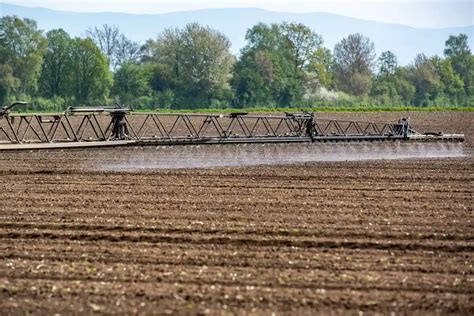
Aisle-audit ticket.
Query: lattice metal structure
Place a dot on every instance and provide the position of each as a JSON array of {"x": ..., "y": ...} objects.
[{"x": 87, "y": 127}]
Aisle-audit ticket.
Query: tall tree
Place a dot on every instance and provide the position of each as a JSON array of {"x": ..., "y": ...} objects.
[
  {"x": 106, "y": 38},
  {"x": 426, "y": 80},
  {"x": 91, "y": 75},
  {"x": 322, "y": 65},
  {"x": 388, "y": 63},
  {"x": 116, "y": 46},
  {"x": 458, "y": 51},
  {"x": 147, "y": 51},
  {"x": 56, "y": 72},
  {"x": 131, "y": 82},
  {"x": 456, "y": 46},
  {"x": 207, "y": 61},
  {"x": 168, "y": 50},
  {"x": 391, "y": 82},
  {"x": 127, "y": 51},
  {"x": 162, "y": 78},
  {"x": 22, "y": 47},
  {"x": 274, "y": 65},
  {"x": 452, "y": 84},
  {"x": 200, "y": 63},
  {"x": 8, "y": 83},
  {"x": 396, "y": 87},
  {"x": 302, "y": 42},
  {"x": 264, "y": 68},
  {"x": 354, "y": 61}
]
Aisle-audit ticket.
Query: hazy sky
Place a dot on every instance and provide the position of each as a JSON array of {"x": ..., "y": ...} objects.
[{"x": 417, "y": 13}]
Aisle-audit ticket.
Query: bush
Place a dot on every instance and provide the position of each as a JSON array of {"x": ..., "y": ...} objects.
[
  {"x": 56, "y": 104},
  {"x": 164, "y": 99}
]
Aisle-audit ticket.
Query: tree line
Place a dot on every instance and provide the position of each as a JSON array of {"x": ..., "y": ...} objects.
[{"x": 281, "y": 65}]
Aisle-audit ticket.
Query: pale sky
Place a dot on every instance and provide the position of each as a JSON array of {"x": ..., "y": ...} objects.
[{"x": 416, "y": 13}]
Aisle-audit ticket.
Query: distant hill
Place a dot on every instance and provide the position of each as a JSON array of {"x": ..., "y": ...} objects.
[{"x": 404, "y": 41}]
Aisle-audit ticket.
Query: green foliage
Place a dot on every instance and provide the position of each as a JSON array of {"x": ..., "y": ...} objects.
[
  {"x": 131, "y": 82},
  {"x": 320, "y": 69},
  {"x": 8, "y": 83},
  {"x": 165, "y": 99},
  {"x": 388, "y": 63},
  {"x": 452, "y": 84},
  {"x": 426, "y": 80},
  {"x": 162, "y": 78},
  {"x": 275, "y": 65},
  {"x": 22, "y": 47},
  {"x": 302, "y": 43},
  {"x": 282, "y": 64},
  {"x": 56, "y": 73},
  {"x": 436, "y": 82},
  {"x": 458, "y": 52},
  {"x": 393, "y": 86},
  {"x": 195, "y": 63},
  {"x": 90, "y": 72},
  {"x": 354, "y": 59},
  {"x": 55, "y": 104},
  {"x": 457, "y": 46}
]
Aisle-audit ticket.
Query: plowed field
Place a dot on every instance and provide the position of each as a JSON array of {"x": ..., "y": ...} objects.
[{"x": 341, "y": 237}]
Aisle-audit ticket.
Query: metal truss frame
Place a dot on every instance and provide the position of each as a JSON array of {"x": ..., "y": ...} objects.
[{"x": 110, "y": 126}]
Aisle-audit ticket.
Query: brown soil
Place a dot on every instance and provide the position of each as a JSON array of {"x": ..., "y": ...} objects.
[{"x": 371, "y": 236}]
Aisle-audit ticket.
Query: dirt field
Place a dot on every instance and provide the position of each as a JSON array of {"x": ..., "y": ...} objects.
[{"x": 375, "y": 236}]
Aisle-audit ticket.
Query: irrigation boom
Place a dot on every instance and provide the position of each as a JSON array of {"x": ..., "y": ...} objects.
[{"x": 116, "y": 126}]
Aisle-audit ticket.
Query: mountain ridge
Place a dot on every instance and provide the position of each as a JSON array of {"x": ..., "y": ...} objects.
[
  {"x": 404, "y": 41},
  {"x": 234, "y": 9}
]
